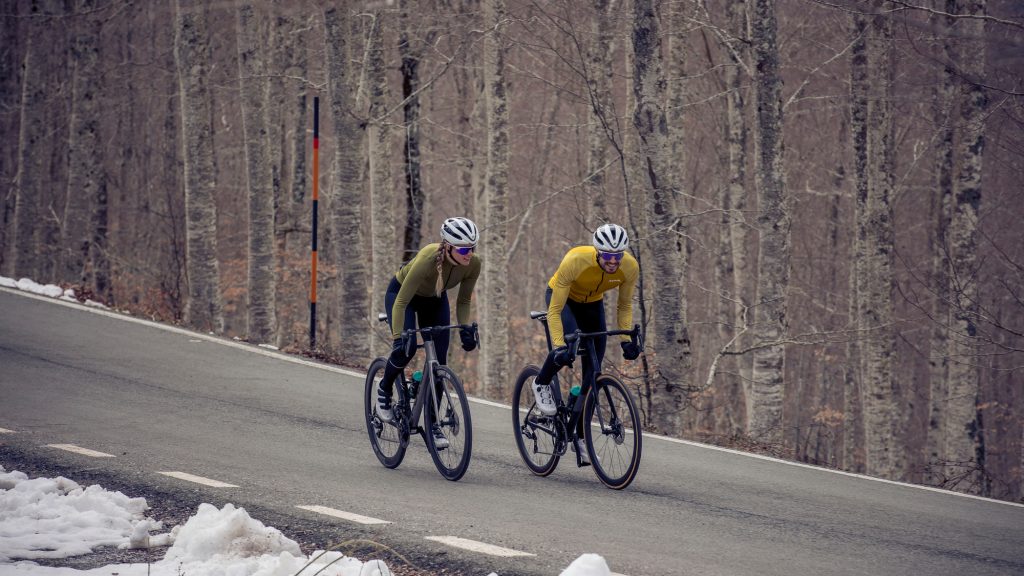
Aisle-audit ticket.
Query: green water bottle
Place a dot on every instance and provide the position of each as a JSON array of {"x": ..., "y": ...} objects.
[
  {"x": 574, "y": 393},
  {"x": 417, "y": 377}
]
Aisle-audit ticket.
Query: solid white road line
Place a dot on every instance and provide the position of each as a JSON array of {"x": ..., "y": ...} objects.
[
  {"x": 80, "y": 450},
  {"x": 474, "y": 546},
  {"x": 344, "y": 515},
  {"x": 6, "y": 431},
  {"x": 198, "y": 479}
]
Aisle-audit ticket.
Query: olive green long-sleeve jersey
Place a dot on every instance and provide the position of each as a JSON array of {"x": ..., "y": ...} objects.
[{"x": 419, "y": 278}]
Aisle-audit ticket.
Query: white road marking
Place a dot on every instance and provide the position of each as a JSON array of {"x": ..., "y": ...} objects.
[
  {"x": 6, "y": 431},
  {"x": 80, "y": 450},
  {"x": 474, "y": 546},
  {"x": 198, "y": 479},
  {"x": 361, "y": 375},
  {"x": 344, "y": 515}
]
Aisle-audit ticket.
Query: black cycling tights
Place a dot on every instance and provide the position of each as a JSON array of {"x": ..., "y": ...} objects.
[
  {"x": 587, "y": 317},
  {"x": 430, "y": 311}
]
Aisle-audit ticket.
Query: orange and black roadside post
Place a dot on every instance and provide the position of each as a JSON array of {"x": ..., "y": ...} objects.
[{"x": 316, "y": 200}]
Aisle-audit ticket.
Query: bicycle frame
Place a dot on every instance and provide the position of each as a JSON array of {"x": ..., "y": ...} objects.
[
  {"x": 430, "y": 365},
  {"x": 569, "y": 417}
]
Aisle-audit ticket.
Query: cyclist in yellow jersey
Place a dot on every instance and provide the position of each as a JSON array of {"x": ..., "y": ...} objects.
[
  {"x": 575, "y": 296},
  {"x": 419, "y": 292}
]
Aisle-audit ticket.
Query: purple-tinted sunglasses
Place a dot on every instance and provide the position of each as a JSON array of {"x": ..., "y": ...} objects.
[
  {"x": 610, "y": 256},
  {"x": 463, "y": 250}
]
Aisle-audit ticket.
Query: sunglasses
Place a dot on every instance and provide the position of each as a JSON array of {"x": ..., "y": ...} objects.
[
  {"x": 610, "y": 256},
  {"x": 463, "y": 250}
]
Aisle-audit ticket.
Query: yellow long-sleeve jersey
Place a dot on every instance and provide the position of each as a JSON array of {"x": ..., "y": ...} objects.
[{"x": 579, "y": 277}]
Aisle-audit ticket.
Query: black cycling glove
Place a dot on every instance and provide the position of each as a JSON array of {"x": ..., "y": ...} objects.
[
  {"x": 406, "y": 344},
  {"x": 562, "y": 356},
  {"x": 630, "y": 351},
  {"x": 468, "y": 339}
]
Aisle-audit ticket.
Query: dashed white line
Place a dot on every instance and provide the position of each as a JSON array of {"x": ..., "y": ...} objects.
[
  {"x": 80, "y": 450},
  {"x": 6, "y": 431},
  {"x": 344, "y": 515},
  {"x": 198, "y": 479},
  {"x": 474, "y": 546}
]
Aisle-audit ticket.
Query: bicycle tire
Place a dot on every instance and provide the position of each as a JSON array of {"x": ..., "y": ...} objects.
[
  {"x": 535, "y": 440},
  {"x": 455, "y": 421},
  {"x": 613, "y": 432},
  {"x": 385, "y": 437}
]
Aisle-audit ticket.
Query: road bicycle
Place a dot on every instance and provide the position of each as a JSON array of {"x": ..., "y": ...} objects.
[
  {"x": 603, "y": 412},
  {"x": 448, "y": 408}
]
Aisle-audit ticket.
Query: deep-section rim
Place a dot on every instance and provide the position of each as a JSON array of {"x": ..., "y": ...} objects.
[
  {"x": 542, "y": 469},
  {"x": 600, "y": 446},
  {"x": 453, "y": 461},
  {"x": 372, "y": 421}
]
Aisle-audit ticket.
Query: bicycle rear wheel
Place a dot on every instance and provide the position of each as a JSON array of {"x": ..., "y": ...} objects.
[
  {"x": 385, "y": 437},
  {"x": 535, "y": 433},
  {"x": 614, "y": 435},
  {"x": 453, "y": 418}
]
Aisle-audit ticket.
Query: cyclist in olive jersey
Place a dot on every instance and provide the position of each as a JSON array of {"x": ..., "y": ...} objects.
[
  {"x": 575, "y": 296},
  {"x": 419, "y": 292}
]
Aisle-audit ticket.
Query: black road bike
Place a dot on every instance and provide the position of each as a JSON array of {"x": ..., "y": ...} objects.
[
  {"x": 604, "y": 413},
  {"x": 441, "y": 391}
]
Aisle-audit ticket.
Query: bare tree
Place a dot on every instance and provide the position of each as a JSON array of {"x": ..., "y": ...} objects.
[
  {"x": 942, "y": 203},
  {"x": 774, "y": 223},
  {"x": 667, "y": 245},
  {"x": 602, "y": 118},
  {"x": 964, "y": 446},
  {"x": 411, "y": 50},
  {"x": 86, "y": 175},
  {"x": 734, "y": 268},
  {"x": 383, "y": 242},
  {"x": 494, "y": 370},
  {"x": 35, "y": 146},
  {"x": 252, "y": 70},
  {"x": 346, "y": 193},
  {"x": 192, "y": 57},
  {"x": 874, "y": 299}
]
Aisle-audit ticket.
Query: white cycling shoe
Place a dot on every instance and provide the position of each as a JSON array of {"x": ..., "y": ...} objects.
[
  {"x": 383, "y": 406},
  {"x": 542, "y": 396},
  {"x": 581, "y": 449}
]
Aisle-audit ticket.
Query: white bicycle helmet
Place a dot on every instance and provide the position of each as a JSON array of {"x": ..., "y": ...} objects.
[
  {"x": 611, "y": 238},
  {"x": 460, "y": 232}
]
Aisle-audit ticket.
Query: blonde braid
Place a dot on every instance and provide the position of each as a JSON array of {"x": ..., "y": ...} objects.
[{"x": 438, "y": 260}]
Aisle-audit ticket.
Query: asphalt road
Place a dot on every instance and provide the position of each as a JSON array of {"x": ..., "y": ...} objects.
[{"x": 289, "y": 432}]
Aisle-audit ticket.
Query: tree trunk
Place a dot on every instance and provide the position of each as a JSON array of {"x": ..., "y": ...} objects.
[
  {"x": 494, "y": 332},
  {"x": 290, "y": 134},
  {"x": 86, "y": 175},
  {"x": 942, "y": 206},
  {"x": 853, "y": 437},
  {"x": 875, "y": 305},
  {"x": 964, "y": 441},
  {"x": 736, "y": 275},
  {"x": 773, "y": 272},
  {"x": 346, "y": 194},
  {"x": 203, "y": 310},
  {"x": 601, "y": 126},
  {"x": 252, "y": 69},
  {"x": 383, "y": 241},
  {"x": 35, "y": 147},
  {"x": 410, "y": 53},
  {"x": 667, "y": 250}
]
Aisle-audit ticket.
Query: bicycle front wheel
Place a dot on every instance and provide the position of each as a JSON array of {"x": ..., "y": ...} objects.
[
  {"x": 614, "y": 435},
  {"x": 535, "y": 433},
  {"x": 451, "y": 414},
  {"x": 385, "y": 437}
]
